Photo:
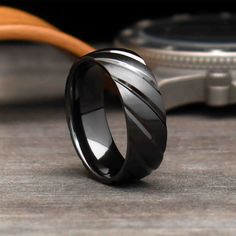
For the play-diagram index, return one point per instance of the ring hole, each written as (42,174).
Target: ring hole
(116,121)
(99,119)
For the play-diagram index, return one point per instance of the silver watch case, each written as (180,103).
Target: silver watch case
(187,72)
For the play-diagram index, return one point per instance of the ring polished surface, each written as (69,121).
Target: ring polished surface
(125,74)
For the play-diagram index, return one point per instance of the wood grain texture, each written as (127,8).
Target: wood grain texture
(44,189)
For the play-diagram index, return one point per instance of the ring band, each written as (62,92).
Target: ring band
(130,79)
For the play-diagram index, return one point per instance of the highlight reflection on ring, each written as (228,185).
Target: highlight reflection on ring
(98,148)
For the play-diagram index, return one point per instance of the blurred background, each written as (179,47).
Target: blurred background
(96,22)
(101,20)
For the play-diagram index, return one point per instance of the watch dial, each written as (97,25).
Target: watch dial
(206,29)
(199,32)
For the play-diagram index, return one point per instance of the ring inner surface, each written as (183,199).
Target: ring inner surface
(98,146)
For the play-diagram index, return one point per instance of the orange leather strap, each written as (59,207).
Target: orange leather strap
(19,25)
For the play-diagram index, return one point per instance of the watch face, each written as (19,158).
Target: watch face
(191,33)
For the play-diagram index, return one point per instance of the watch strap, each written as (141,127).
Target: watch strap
(19,25)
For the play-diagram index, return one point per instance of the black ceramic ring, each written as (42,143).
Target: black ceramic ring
(132,81)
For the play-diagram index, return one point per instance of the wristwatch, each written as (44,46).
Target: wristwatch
(193,56)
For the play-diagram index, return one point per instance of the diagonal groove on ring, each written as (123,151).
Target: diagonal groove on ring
(133,69)
(141,96)
(143,129)
(142,162)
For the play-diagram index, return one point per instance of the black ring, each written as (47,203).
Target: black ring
(129,77)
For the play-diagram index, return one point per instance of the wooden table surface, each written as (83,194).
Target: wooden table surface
(44,189)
